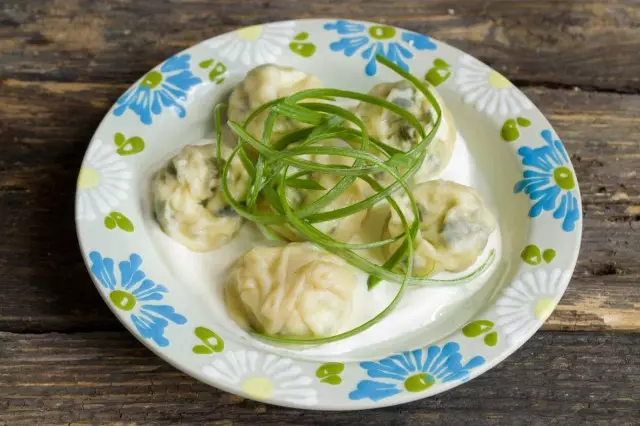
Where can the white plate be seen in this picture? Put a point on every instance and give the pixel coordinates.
(170, 298)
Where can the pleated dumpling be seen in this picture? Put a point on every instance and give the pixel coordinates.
(188, 201)
(295, 290)
(263, 84)
(387, 127)
(455, 226)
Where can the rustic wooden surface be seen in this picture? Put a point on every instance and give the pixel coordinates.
(556, 378)
(65, 359)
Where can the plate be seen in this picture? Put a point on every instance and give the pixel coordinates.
(169, 298)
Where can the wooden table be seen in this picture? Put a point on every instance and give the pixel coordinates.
(65, 359)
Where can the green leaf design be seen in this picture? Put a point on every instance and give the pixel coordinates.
(332, 380)
(306, 50)
(119, 139)
(439, 73)
(531, 254)
(523, 122)
(441, 63)
(548, 255)
(130, 146)
(476, 328)
(491, 339)
(201, 350)
(302, 36)
(206, 64)
(509, 131)
(117, 220)
(109, 223)
(329, 368)
(211, 342)
(218, 72)
(329, 373)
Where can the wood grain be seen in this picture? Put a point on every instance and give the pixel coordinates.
(564, 43)
(47, 126)
(64, 62)
(555, 378)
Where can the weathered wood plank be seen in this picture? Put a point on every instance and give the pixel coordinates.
(588, 43)
(556, 378)
(46, 127)
(600, 133)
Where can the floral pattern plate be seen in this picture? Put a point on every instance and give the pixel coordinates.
(531, 185)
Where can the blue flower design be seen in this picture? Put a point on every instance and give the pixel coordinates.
(137, 295)
(414, 371)
(377, 40)
(547, 178)
(165, 87)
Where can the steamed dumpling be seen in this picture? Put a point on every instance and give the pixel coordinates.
(263, 84)
(294, 290)
(389, 128)
(455, 226)
(188, 201)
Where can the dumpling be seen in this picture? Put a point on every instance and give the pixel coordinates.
(455, 226)
(389, 128)
(263, 84)
(188, 201)
(294, 290)
(342, 229)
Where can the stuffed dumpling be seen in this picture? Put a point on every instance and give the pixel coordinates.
(295, 290)
(263, 84)
(389, 128)
(188, 201)
(455, 226)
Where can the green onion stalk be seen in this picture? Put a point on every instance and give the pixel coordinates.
(274, 166)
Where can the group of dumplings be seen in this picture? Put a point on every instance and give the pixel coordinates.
(297, 290)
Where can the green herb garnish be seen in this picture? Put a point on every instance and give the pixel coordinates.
(282, 164)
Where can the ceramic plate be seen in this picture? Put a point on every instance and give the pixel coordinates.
(169, 298)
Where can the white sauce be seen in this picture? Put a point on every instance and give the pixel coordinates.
(428, 312)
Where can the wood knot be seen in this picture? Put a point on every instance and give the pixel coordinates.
(608, 268)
